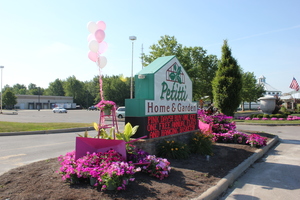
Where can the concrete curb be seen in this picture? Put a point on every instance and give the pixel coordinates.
(48, 131)
(224, 183)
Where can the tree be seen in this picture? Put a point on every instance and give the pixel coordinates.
(75, 89)
(200, 67)
(34, 90)
(117, 89)
(227, 84)
(9, 99)
(56, 88)
(19, 89)
(251, 91)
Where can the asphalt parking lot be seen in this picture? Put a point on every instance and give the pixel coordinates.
(73, 116)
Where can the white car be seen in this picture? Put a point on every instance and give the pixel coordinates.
(59, 110)
(120, 113)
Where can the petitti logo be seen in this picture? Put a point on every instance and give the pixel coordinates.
(178, 90)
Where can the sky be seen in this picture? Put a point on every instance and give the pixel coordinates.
(41, 40)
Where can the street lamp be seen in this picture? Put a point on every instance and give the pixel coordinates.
(132, 38)
(1, 67)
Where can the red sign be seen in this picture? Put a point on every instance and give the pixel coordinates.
(159, 126)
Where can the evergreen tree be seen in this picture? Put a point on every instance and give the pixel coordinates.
(227, 84)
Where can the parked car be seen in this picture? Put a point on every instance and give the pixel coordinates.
(59, 110)
(120, 113)
(92, 108)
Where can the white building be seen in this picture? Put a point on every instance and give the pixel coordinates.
(270, 91)
(43, 102)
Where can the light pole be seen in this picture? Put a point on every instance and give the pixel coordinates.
(132, 38)
(1, 67)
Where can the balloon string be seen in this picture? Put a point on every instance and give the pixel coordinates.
(100, 84)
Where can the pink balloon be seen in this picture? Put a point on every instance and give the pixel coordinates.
(91, 37)
(101, 25)
(99, 35)
(93, 56)
(102, 47)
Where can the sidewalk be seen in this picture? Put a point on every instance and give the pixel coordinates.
(215, 191)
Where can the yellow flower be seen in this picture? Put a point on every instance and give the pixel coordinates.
(176, 149)
(172, 149)
(168, 142)
(172, 141)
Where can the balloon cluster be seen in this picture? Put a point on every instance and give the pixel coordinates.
(96, 44)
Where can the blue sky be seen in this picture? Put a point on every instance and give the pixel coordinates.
(44, 40)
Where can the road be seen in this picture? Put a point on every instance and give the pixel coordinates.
(19, 150)
(277, 174)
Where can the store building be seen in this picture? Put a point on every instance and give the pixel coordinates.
(44, 102)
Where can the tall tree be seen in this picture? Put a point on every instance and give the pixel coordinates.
(227, 84)
(251, 91)
(200, 67)
(75, 89)
(56, 88)
(9, 98)
(117, 89)
(34, 90)
(19, 89)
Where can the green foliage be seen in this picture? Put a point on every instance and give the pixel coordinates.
(128, 132)
(56, 88)
(173, 149)
(250, 91)
(9, 98)
(201, 144)
(266, 116)
(227, 84)
(200, 67)
(260, 115)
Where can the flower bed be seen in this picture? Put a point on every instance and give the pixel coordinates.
(289, 118)
(224, 130)
(108, 170)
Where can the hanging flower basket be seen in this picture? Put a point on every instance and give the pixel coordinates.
(105, 105)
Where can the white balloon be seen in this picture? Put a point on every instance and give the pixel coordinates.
(94, 46)
(92, 27)
(102, 61)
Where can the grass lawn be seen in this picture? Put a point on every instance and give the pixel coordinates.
(266, 121)
(18, 127)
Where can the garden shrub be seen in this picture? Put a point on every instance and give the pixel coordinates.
(283, 109)
(266, 116)
(260, 115)
(173, 149)
(201, 144)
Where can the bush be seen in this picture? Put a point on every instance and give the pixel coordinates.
(260, 115)
(266, 116)
(201, 144)
(173, 149)
(283, 109)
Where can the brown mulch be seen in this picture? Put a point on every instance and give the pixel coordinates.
(188, 179)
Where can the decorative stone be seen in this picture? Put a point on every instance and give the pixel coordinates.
(267, 104)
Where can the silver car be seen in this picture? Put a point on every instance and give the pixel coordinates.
(120, 113)
(59, 110)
